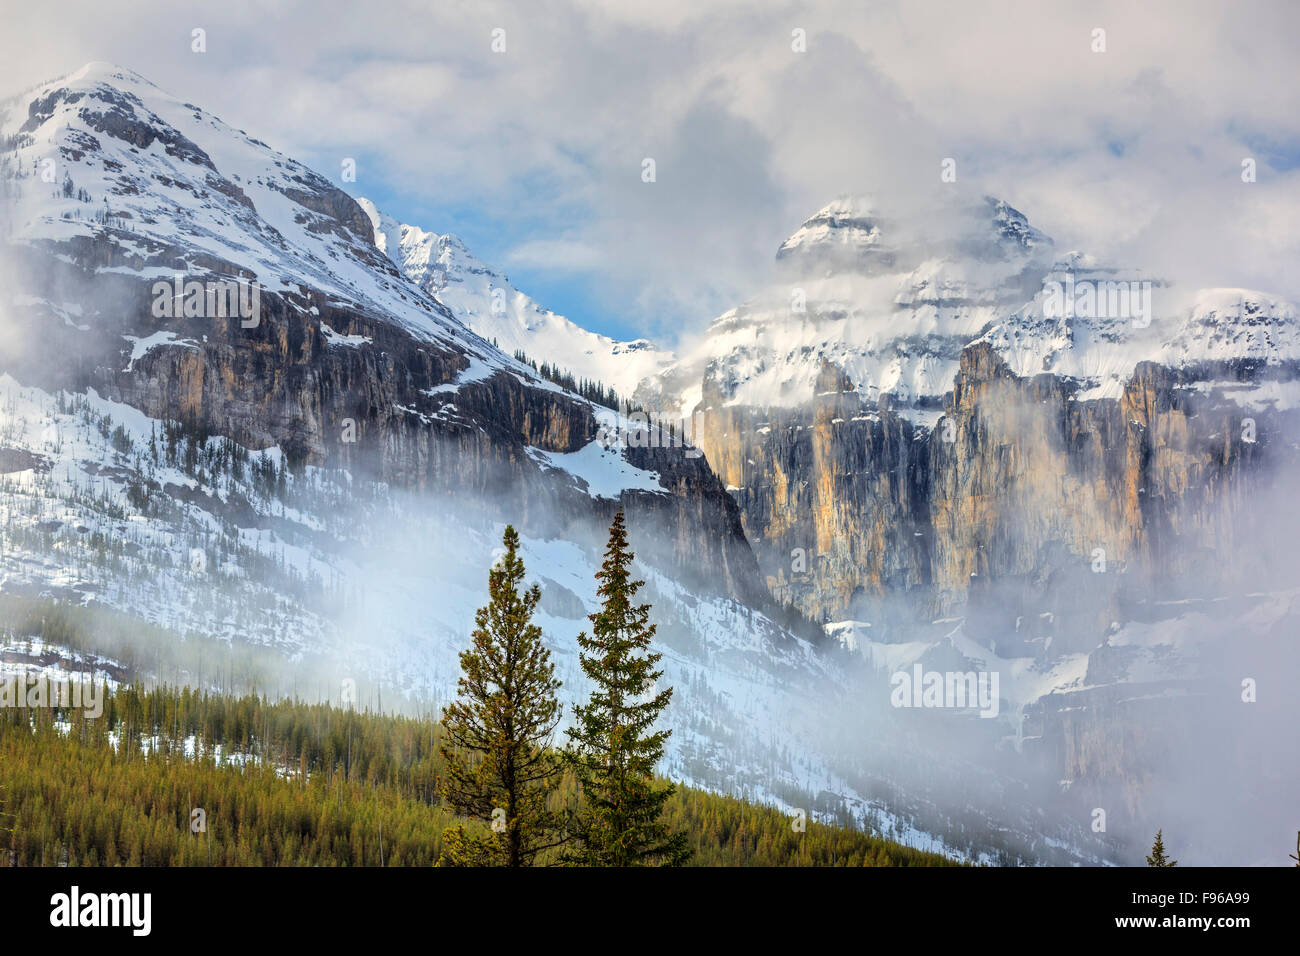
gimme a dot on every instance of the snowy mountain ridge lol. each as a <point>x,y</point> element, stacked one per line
<point>892,303</point>
<point>179,194</point>
<point>485,301</point>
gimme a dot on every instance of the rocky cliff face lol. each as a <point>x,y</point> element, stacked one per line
<point>833,495</point>
<point>957,474</point>
<point>1019,500</point>
<point>1099,555</point>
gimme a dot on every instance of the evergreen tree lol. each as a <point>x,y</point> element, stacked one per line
<point>1157,857</point>
<point>500,767</point>
<point>613,750</point>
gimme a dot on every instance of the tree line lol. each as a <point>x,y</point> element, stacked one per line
<point>591,389</point>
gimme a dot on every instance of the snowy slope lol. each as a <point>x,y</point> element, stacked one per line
<point>484,300</point>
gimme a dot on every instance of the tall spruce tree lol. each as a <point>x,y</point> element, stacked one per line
<point>501,767</point>
<point>1157,857</point>
<point>613,750</point>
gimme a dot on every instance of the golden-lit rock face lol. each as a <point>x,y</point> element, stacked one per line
<point>849,505</point>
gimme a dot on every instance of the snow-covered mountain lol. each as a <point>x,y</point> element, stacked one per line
<point>115,190</point>
<point>965,451</point>
<point>817,402</point>
<point>891,302</point>
<point>105,155</point>
<point>486,301</point>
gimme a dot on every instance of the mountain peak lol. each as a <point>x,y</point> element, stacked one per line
<point>101,71</point>
<point>847,225</point>
<point>855,233</point>
<point>164,184</point>
<point>483,298</point>
<point>1012,226</point>
<point>847,206</point>
<point>450,240</point>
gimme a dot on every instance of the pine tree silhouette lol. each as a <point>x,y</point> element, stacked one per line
<point>500,765</point>
<point>1157,857</point>
<point>613,750</point>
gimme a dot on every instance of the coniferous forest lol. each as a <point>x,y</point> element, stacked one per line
<point>286,783</point>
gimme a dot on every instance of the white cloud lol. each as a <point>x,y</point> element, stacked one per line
<point>559,255</point>
<point>542,146</point>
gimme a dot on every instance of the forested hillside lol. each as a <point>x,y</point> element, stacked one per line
<point>284,783</point>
